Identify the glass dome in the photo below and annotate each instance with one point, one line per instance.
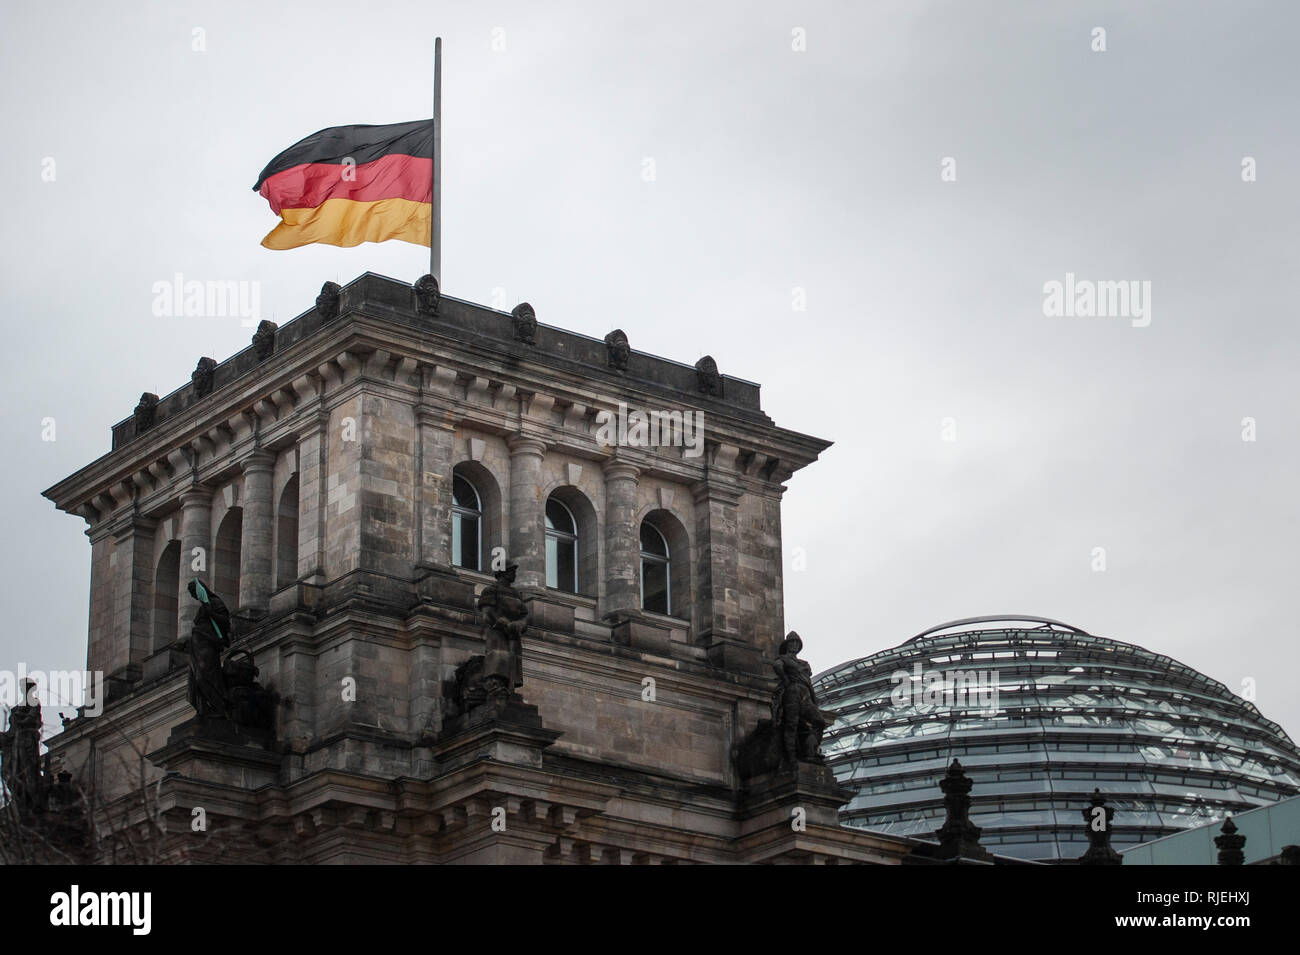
(1040, 714)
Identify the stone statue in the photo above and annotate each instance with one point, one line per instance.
(707, 379)
(203, 376)
(505, 618)
(208, 637)
(252, 706)
(328, 301)
(427, 296)
(264, 339)
(146, 412)
(525, 321)
(618, 349)
(20, 751)
(794, 707)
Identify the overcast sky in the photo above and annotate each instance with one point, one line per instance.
(775, 169)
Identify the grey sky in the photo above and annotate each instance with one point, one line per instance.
(775, 169)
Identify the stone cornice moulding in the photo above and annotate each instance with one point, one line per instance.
(711, 489)
(300, 376)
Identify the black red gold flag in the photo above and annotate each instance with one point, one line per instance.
(351, 184)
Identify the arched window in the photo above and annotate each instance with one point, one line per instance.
(656, 586)
(286, 535)
(561, 548)
(225, 563)
(166, 590)
(466, 525)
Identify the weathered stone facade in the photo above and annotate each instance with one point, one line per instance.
(311, 486)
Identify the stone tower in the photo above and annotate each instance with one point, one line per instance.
(347, 484)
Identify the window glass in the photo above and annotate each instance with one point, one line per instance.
(655, 596)
(466, 525)
(561, 548)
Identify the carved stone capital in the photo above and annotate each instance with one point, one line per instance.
(616, 470)
(523, 444)
(712, 490)
(434, 416)
(258, 460)
(129, 524)
(195, 495)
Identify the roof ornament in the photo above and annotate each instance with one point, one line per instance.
(525, 321)
(427, 296)
(329, 300)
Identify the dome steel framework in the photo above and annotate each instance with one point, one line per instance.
(1068, 712)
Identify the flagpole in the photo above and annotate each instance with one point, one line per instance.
(435, 224)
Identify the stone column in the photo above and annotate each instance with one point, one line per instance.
(622, 539)
(256, 563)
(196, 539)
(527, 510)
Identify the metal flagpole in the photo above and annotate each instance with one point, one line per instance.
(435, 212)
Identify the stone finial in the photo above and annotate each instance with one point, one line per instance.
(1230, 844)
(264, 339)
(959, 837)
(203, 375)
(146, 412)
(1097, 818)
(617, 349)
(427, 296)
(329, 300)
(525, 321)
(707, 379)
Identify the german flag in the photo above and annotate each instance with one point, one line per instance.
(351, 184)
